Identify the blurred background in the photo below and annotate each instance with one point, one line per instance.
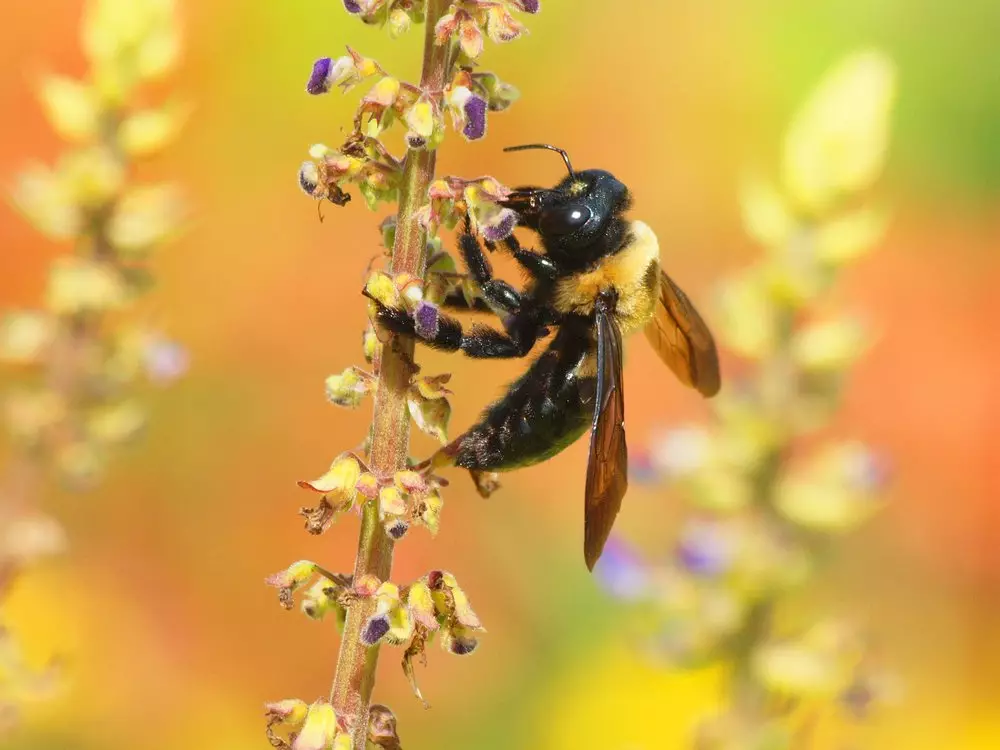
(159, 609)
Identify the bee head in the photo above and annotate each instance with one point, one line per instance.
(580, 219)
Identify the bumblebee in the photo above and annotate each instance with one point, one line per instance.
(598, 280)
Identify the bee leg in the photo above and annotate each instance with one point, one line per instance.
(538, 265)
(444, 332)
(498, 294)
(487, 482)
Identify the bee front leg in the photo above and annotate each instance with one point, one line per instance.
(500, 295)
(428, 324)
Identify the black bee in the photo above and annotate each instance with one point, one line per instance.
(598, 280)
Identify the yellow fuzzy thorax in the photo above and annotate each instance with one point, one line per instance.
(634, 271)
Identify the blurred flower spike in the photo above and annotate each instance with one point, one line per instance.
(379, 482)
(83, 357)
(768, 497)
(87, 197)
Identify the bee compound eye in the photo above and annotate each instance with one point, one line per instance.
(564, 219)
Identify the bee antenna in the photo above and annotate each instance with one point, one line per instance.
(561, 152)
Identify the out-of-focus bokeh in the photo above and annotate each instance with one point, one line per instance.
(170, 636)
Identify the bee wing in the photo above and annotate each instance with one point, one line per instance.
(682, 339)
(607, 467)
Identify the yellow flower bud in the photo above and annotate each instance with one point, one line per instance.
(71, 106)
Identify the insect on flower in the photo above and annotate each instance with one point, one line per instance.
(598, 280)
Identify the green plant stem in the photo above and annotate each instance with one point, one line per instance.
(352, 687)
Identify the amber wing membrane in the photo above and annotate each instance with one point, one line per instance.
(682, 339)
(607, 468)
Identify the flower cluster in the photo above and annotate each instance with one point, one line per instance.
(407, 498)
(93, 354)
(294, 724)
(76, 362)
(767, 495)
(465, 100)
(377, 480)
(410, 615)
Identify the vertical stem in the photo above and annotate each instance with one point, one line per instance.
(352, 687)
(748, 697)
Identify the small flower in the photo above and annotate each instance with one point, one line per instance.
(164, 360)
(680, 451)
(475, 118)
(499, 226)
(71, 106)
(392, 619)
(320, 728)
(837, 143)
(322, 598)
(426, 320)
(30, 537)
(421, 604)
(25, 336)
(501, 26)
(391, 501)
(470, 38)
(451, 600)
(375, 630)
(340, 479)
(431, 415)
(291, 578)
(80, 285)
(148, 131)
(288, 715)
(705, 548)
(325, 74)
(621, 572)
(829, 346)
(399, 23)
(459, 640)
(143, 217)
(350, 387)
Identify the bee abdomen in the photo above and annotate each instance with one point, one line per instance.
(512, 435)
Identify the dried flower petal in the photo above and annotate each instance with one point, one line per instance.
(289, 579)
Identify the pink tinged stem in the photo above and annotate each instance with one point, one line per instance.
(352, 687)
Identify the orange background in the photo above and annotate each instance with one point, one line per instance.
(171, 637)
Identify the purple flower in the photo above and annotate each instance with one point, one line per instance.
(867, 471)
(640, 467)
(165, 361)
(528, 6)
(704, 549)
(621, 571)
(426, 320)
(351, 6)
(374, 630)
(475, 117)
(500, 227)
(397, 529)
(320, 80)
